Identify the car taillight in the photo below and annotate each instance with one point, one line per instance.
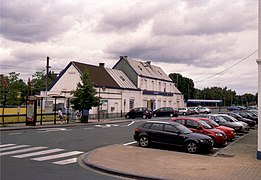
(136, 130)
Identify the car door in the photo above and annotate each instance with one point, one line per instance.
(139, 112)
(171, 135)
(193, 126)
(156, 132)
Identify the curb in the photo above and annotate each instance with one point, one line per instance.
(103, 169)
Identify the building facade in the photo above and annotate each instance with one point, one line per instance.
(127, 85)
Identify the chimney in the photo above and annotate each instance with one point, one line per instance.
(149, 63)
(102, 65)
(124, 57)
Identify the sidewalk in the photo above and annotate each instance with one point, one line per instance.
(50, 124)
(236, 161)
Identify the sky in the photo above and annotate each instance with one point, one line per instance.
(212, 42)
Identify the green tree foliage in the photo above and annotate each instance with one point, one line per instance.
(84, 95)
(38, 82)
(185, 85)
(15, 89)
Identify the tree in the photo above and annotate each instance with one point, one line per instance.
(15, 90)
(185, 85)
(84, 95)
(38, 82)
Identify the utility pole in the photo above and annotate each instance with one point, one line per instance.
(259, 83)
(46, 78)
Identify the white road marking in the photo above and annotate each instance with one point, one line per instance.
(126, 144)
(13, 147)
(67, 161)
(38, 153)
(22, 150)
(128, 124)
(45, 158)
(18, 133)
(52, 130)
(6, 145)
(131, 123)
(88, 128)
(106, 125)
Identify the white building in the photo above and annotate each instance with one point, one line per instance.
(157, 89)
(127, 85)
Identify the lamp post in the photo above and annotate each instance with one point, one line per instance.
(18, 104)
(259, 82)
(99, 104)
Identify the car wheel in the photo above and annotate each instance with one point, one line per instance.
(184, 114)
(144, 141)
(144, 116)
(127, 116)
(171, 115)
(192, 147)
(154, 115)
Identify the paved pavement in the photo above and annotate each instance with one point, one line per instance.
(236, 161)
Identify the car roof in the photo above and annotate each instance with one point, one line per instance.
(189, 118)
(162, 122)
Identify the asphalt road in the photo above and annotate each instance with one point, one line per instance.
(68, 143)
(73, 140)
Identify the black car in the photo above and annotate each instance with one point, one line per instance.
(172, 133)
(143, 112)
(166, 111)
(250, 122)
(245, 114)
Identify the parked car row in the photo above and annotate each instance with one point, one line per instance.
(194, 133)
(172, 133)
(146, 113)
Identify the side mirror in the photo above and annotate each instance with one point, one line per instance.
(199, 128)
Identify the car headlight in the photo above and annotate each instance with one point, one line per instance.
(219, 134)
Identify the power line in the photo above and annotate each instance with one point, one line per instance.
(227, 68)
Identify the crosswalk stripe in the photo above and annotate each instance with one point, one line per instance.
(38, 153)
(67, 161)
(57, 156)
(6, 145)
(13, 147)
(22, 150)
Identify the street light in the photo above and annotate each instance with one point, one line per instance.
(18, 104)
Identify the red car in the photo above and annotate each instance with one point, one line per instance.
(199, 126)
(230, 132)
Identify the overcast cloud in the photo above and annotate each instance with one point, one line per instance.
(197, 39)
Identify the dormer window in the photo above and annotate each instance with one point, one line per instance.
(122, 78)
(140, 68)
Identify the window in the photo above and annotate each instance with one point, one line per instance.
(170, 128)
(181, 121)
(159, 86)
(157, 127)
(159, 103)
(192, 124)
(153, 85)
(122, 78)
(147, 126)
(131, 103)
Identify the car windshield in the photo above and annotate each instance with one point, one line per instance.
(205, 125)
(220, 119)
(229, 119)
(213, 122)
(183, 129)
